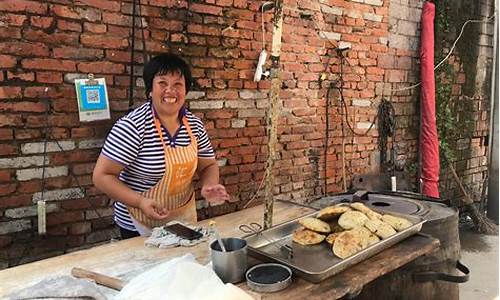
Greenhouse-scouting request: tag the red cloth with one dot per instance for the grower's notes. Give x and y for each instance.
(429, 148)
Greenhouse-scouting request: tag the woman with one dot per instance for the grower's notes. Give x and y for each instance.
(150, 155)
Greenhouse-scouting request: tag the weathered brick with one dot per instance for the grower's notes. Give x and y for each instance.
(116, 19)
(49, 77)
(90, 144)
(14, 226)
(69, 26)
(89, 14)
(94, 28)
(7, 61)
(374, 2)
(98, 213)
(17, 74)
(23, 6)
(24, 49)
(80, 228)
(59, 195)
(206, 104)
(12, 19)
(101, 67)
(100, 4)
(57, 218)
(99, 236)
(28, 174)
(10, 92)
(10, 33)
(103, 41)
(10, 120)
(42, 22)
(22, 106)
(58, 38)
(28, 211)
(49, 64)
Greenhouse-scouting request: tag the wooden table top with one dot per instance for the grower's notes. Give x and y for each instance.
(125, 259)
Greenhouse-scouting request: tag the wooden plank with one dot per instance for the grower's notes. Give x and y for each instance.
(127, 258)
(273, 113)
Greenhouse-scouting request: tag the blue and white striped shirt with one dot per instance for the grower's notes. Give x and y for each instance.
(134, 143)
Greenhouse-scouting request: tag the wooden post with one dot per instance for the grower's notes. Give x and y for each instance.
(273, 113)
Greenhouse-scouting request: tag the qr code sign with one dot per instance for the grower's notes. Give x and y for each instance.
(92, 96)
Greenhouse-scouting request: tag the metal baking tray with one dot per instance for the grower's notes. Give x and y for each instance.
(317, 262)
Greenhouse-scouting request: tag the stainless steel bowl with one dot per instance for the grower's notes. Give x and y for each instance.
(269, 277)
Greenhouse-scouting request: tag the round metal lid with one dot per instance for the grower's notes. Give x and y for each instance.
(397, 204)
(269, 277)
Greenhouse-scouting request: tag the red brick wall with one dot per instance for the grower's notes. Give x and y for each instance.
(45, 45)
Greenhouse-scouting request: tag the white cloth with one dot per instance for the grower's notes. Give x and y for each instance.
(162, 238)
(143, 230)
(180, 278)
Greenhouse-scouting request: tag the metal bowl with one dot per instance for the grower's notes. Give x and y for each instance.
(269, 277)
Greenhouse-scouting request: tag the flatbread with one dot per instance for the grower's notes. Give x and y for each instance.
(399, 224)
(380, 228)
(373, 239)
(363, 231)
(367, 211)
(315, 225)
(352, 219)
(330, 239)
(304, 236)
(331, 212)
(349, 243)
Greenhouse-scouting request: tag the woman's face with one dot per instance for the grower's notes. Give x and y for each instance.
(168, 93)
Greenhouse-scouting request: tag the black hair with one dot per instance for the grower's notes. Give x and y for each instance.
(166, 64)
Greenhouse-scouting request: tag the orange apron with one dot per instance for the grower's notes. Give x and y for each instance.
(175, 190)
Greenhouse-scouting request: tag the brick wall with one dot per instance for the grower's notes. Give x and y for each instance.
(470, 69)
(45, 45)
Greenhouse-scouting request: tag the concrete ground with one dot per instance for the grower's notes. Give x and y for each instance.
(479, 252)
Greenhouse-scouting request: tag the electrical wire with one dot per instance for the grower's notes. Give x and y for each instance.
(256, 192)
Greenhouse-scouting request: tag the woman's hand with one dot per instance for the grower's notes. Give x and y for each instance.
(215, 194)
(151, 209)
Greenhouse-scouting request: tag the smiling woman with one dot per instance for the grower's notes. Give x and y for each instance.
(150, 156)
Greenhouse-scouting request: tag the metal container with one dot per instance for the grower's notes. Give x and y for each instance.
(325, 263)
(230, 265)
(269, 277)
(432, 276)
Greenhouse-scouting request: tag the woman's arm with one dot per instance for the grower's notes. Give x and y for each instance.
(211, 190)
(105, 178)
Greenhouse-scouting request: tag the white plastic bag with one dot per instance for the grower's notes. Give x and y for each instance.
(180, 278)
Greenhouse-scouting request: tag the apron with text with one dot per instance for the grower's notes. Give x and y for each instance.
(175, 190)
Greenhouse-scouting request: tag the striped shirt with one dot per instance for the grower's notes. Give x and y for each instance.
(134, 143)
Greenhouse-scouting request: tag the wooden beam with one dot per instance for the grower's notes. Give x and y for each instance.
(273, 113)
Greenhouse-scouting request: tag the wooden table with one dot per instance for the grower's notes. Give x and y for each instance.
(127, 258)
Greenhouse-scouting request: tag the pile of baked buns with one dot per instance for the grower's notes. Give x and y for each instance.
(348, 228)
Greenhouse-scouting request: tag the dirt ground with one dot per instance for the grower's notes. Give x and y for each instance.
(480, 253)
